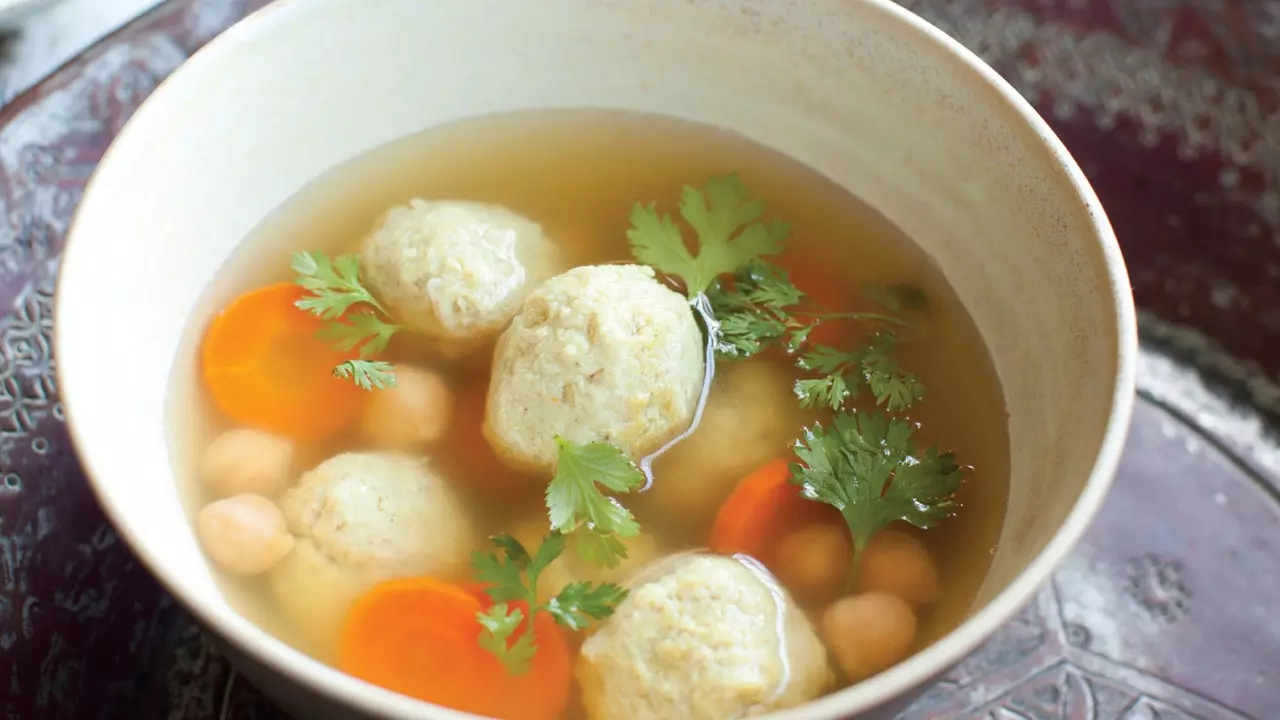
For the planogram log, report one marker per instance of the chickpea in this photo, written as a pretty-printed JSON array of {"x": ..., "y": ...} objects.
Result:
[
  {"x": 869, "y": 633},
  {"x": 244, "y": 534},
  {"x": 416, "y": 412},
  {"x": 813, "y": 562},
  {"x": 898, "y": 563},
  {"x": 247, "y": 461}
]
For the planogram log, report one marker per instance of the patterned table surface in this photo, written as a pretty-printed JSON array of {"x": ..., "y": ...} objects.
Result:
[{"x": 1165, "y": 611}]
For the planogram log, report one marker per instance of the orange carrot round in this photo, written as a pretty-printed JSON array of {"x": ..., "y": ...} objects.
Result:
[
  {"x": 419, "y": 637},
  {"x": 264, "y": 367},
  {"x": 764, "y": 508}
]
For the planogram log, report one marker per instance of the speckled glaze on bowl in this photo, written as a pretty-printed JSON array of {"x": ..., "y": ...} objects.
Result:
[{"x": 862, "y": 91}]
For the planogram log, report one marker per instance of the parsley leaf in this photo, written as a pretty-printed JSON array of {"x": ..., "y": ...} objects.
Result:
[
  {"x": 367, "y": 374},
  {"x": 334, "y": 284},
  {"x": 728, "y": 226},
  {"x": 500, "y": 622},
  {"x": 581, "y": 602},
  {"x": 576, "y": 505},
  {"x": 353, "y": 315},
  {"x": 511, "y": 576},
  {"x": 842, "y": 373},
  {"x": 894, "y": 388},
  {"x": 753, "y": 309},
  {"x": 867, "y": 467},
  {"x": 364, "y": 330},
  {"x": 601, "y": 549}
]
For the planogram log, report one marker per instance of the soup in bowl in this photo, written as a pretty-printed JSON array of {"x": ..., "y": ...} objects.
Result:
[{"x": 570, "y": 359}]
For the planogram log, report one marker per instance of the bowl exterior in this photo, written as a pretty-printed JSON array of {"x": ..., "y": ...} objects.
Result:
[{"x": 862, "y": 91}]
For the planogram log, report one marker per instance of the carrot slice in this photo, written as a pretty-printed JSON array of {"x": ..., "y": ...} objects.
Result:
[
  {"x": 265, "y": 367},
  {"x": 419, "y": 637},
  {"x": 764, "y": 508},
  {"x": 543, "y": 692}
]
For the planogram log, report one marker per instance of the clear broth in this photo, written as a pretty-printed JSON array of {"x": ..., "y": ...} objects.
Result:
[{"x": 578, "y": 173}]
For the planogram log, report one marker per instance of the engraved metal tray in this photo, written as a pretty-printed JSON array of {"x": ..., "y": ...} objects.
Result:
[{"x": 1164, "y": 612}]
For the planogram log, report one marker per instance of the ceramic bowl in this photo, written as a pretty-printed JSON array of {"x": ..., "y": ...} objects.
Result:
[{"x": 860, "y": 90}]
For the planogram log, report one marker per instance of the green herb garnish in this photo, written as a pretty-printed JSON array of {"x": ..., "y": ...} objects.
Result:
[
  {"x": 367, "y": 374},
  {"x": 578, "y": 508},
  {"x": 354, "y": 317},
  {"x": 842, "y": 373},
  {"x": 759, "y": 307},
  {"x": 867, "y": 467},
  {"x": 726, "y": 223},
  {"x": 511, "y": 576}
]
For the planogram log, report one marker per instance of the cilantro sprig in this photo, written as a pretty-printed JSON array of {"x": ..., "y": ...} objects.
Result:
[
  {"x": 841, "y": 373},
  {"x": 354, "y": 317},
  {"x": 867, "y": 464},
  {"x": 726, "y": 223},
  {"x": 754, "y": 302},
  {"x": 868, "y": 467},
  {"x": 577, "y": 507},
  {"x": 759, "y": 307},
  {"x": 511, "y": 579}
]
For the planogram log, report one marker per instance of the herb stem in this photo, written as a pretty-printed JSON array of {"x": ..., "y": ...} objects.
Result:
[
  {"x": 853, "y": 316},
  {"x": 855, "y": 567}
]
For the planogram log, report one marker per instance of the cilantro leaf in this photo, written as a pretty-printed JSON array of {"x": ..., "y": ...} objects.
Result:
[
  {"x": 838, "y": 380},
  {"x": 728, "y": 227},
  {"x": 600, "y": 549},
  {"x": 827, "y": 391},
  {"x": 499, "y": 623},
  {"x": 580, "y": 602},
  {"x": 867, "y": 467},
  {"x": 336, "y": 295},
  {"x": 574, "y": 500},
  {"x": 334, "y": 285},
  {"x": 504, "y": 575},
  {"x": 842, "y": 374},
  {"x": 364, "y": 330},
  {"x": 367, "y": 374},
  {"x": 511, "y": 576},
  {"x": 753, "y": 309},
  {"x": 894, "y": 388},
  {"x": 656, "y": 241}
]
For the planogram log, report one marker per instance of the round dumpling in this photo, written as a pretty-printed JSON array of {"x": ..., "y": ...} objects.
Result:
[
  {"x": 358, "y": 519},
  {"x": 455, "y": 270},
  {"x": 702, "y": 637},
  {"x": 601, "y": 353},
  {"x": 751, "y": 417}
]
